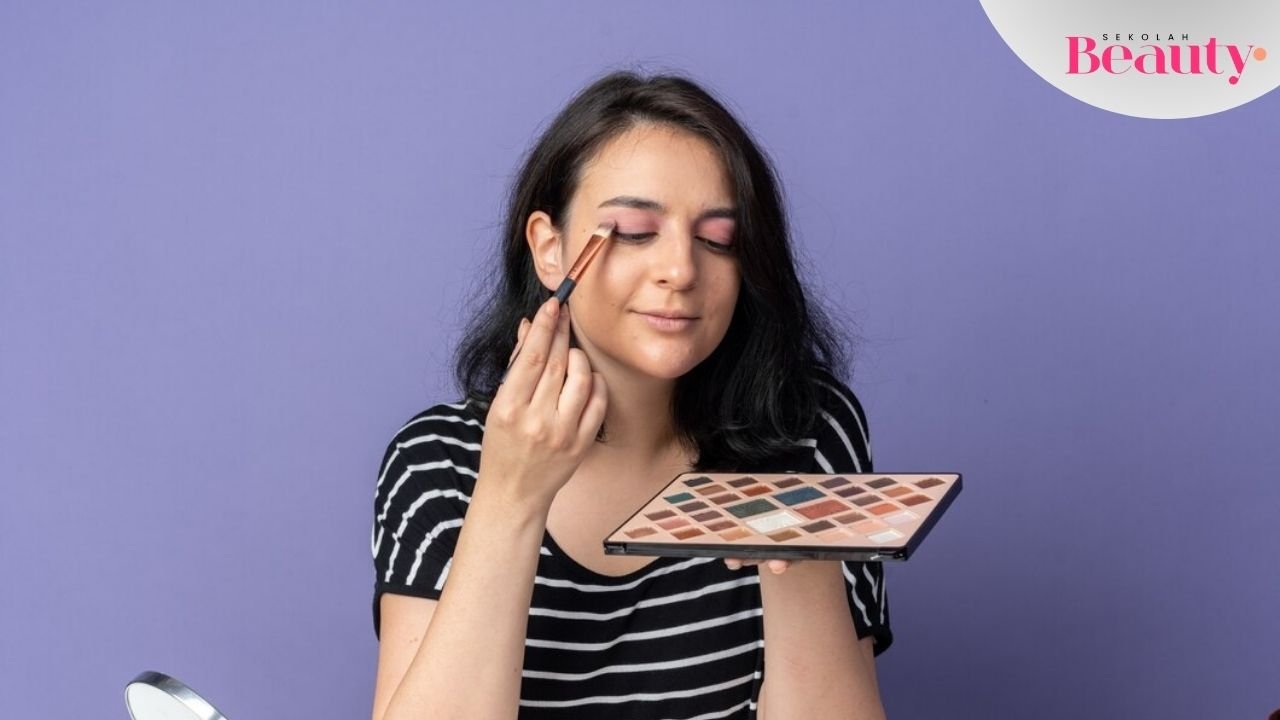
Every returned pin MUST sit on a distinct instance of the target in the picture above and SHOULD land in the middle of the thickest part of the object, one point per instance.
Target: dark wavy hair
(753, 397)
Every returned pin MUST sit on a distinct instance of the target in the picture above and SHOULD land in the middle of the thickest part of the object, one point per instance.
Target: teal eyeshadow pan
(695, 482)
(679, 498)
(797, 496)
(747, 509)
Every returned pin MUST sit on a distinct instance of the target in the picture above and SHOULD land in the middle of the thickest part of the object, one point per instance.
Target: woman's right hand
(545, 415)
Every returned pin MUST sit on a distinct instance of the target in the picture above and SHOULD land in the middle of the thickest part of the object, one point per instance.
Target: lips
(670, 314)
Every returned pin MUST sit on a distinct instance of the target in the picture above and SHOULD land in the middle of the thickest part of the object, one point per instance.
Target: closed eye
(641, 237)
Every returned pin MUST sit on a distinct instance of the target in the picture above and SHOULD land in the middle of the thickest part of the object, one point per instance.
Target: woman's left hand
(776, 566)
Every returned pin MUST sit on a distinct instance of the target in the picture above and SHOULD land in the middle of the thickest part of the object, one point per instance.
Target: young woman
(493, 597)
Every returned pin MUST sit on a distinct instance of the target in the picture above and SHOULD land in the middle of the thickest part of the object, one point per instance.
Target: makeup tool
(789, 516)
(602, 233)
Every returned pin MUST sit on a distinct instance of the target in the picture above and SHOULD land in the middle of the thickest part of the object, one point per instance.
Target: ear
(547, 250)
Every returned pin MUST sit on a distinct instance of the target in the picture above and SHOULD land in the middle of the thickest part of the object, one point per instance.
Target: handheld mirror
(156, 696)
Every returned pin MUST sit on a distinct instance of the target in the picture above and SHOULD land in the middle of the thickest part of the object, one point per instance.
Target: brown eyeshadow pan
(784, 535)
(821, 509)
(661, 515)
(785, 483)
(692, 507)
(818, 526)
(686, 533)
(695, 482)
(722, 499)
(882, 483)
(834, 483)
(897, 492)
(719, 525)
(741, 482)
(847, 518)
(756, 490)
(866, 500)
(705, 516)
(850, 491)
(929, 482)
(709, 490)
(915, 500)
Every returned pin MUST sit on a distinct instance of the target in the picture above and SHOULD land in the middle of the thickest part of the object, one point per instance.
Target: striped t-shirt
(678, 638)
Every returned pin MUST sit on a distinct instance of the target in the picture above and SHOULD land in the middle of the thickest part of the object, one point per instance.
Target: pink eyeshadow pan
(640, 532)
(686, 533)
(821, 509)
(673, 523)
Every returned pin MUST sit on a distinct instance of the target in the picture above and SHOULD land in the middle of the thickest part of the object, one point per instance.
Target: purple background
(237, 243)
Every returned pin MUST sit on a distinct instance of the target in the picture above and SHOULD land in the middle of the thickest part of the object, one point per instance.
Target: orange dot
(1259, 53)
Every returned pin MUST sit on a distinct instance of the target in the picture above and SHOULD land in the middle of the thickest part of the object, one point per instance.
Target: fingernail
(553, 307)
(732, 564)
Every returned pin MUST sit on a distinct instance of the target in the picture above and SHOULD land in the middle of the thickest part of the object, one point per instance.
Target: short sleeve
(842, 444)
(424, 487)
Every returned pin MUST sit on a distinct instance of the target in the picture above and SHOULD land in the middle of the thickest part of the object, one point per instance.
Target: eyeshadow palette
(788, 516)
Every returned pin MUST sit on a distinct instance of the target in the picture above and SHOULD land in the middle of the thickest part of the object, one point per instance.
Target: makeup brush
(602, 233)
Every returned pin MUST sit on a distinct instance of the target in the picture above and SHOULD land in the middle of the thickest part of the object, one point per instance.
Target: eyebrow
(639, 203)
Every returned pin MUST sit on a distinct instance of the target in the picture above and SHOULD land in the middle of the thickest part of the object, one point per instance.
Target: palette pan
(854, 516)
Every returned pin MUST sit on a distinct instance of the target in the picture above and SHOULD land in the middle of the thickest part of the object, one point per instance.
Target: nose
(674, 263)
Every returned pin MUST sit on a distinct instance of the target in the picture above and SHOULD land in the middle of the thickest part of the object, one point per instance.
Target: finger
(523, 377)
(547, 394)
(594, 413)
(732, 563)
(779, 566)
(521, 331)
(577, 386)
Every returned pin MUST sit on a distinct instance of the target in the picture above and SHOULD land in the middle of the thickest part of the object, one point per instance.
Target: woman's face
(672, 253)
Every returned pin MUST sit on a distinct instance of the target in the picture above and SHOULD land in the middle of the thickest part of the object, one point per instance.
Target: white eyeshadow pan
(776, 521)
(885, 536)
(901, 518)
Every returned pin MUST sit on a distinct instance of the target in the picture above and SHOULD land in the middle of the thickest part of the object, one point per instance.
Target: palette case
(789, 516)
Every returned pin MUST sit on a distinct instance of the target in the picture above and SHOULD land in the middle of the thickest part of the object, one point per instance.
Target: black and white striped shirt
(678, 638)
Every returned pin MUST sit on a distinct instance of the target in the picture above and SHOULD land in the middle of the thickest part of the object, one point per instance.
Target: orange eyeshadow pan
(735, 534)
(756, 490)
(673, 523)
(897, 492)
(687, 533)
(881, 509)
(641, 532)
